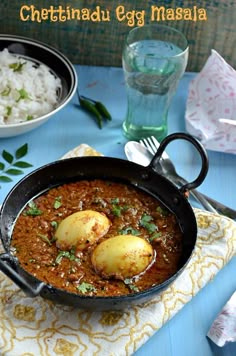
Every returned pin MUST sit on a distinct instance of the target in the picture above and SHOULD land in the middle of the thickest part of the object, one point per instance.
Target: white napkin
(211, 98)
(223, 329)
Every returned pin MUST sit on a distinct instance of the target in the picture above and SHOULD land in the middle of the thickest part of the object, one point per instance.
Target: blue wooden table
(185, 334)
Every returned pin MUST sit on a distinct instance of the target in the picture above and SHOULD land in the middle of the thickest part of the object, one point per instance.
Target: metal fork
(167, 169)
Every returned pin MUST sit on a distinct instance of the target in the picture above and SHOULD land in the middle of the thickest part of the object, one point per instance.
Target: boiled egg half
(122, 256)
(82, 229)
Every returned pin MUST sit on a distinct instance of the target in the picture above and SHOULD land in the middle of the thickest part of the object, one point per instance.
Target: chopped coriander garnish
(155, 236)
(66, 254)
(32, 260)
(129, 283)
(9, 110)
(116, 210)
(128, 280)
(133, 287)
(62, 254)
(54, 224)
(147, 224)
(29, 117)
(6, 91)
(57, 203)
(17, 67)
(100, 201)
(33, 210)
(22, 94)
(85, 287)
(115, 200)
(129, 230)
(45, 239)
(162, 211)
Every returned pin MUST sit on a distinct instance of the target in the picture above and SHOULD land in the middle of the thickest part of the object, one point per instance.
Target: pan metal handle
(205, 163)
(7, 264)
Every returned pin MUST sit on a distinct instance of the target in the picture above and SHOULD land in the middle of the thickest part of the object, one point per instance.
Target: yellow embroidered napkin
(82, 150)
(37, 327)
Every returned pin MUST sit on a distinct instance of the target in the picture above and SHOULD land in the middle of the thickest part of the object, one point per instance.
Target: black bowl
(112, 169)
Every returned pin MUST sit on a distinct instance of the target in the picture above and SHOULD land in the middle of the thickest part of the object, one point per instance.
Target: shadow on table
(228, 350)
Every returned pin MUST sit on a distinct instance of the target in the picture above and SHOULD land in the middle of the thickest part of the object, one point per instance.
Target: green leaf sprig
(12, 165)
(96, 108)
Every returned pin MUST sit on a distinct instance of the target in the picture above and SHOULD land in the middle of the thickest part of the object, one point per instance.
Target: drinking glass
(154, 59)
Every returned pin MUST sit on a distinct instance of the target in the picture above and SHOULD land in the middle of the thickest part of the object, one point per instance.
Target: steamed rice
(27, 91)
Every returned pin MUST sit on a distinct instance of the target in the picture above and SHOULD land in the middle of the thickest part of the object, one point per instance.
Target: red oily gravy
(130, 212)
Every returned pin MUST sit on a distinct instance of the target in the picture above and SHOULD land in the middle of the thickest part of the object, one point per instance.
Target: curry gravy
(130, 211)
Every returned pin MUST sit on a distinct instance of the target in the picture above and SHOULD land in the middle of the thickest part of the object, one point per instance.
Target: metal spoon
(137, 153)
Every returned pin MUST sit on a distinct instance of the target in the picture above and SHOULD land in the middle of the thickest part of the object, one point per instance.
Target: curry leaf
(2, 166)
(5, 179)
(22, 164)
(14, 172)
(21, 151)
(7, 156)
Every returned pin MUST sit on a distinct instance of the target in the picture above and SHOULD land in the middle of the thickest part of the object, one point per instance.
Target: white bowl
(59, 65)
